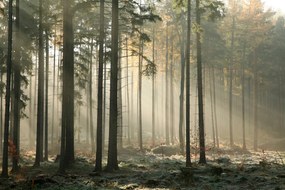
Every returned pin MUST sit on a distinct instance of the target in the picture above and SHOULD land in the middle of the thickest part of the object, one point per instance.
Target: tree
(200, 87)
(40, 108)
(182, 85)
(98, 165)
(17, 94)
(166, 87)
(46, 94)
(187, 107)
(8, 95)
(67, 130)
(112, 162)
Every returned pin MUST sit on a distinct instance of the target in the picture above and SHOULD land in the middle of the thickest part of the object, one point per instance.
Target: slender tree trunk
(46, 96)
(120, 105)
(140, 96)
(104, 105)
(53, 91)
(166, 90)
(127, 92)
(243, 99)
(182, 86)
(215, 108)
(91, 101)
(231, 83)
(200, 89)
(99, 151)
(112, 162)
(212, 108)
(132, 102)
(87, 114)
(40, 108)
(171, 94)
(1, 114)
(141, 52)
(187, 107)
(255, 103)
(17, 88)
(8, 92)
(153, 89)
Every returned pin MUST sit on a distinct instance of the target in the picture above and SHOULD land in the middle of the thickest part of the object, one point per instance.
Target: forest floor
(159, 168)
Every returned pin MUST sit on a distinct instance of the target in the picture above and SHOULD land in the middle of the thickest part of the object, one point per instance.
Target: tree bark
(166, 89)
(112, 161)
(40, 108)
(8, 92)
(202, 159)
(46, 96)
(17, 95)
(98, 164)
(182, 87)
(187, 107)
(67, 131)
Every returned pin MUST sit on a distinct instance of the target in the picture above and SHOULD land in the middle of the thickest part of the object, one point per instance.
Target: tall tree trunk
(128, 93)
(46, 96)
(112, 162)
(202, 159)
(153, 89)
(231, 83)
(53, 91)
(141, 52)
(1, 113)
(187, 107)
(120, 104)
(166, 89)
(67, 131)
(91, 100)
(255, 103)
(243, 99)
(87, 113)
(8, 92)
(171, 94)
(40, 109)
(215, 108)
(212, 107)
(182, 86)
(140, 96)
(104, 104)
(99, 151)
(17, 95)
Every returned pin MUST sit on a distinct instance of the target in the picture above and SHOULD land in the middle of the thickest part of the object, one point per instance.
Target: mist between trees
(100, 76)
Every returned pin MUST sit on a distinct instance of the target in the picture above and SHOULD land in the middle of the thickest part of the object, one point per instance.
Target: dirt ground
(159, 168)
